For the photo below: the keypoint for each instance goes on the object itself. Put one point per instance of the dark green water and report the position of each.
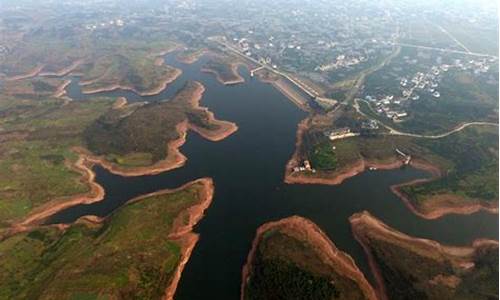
(248, 170)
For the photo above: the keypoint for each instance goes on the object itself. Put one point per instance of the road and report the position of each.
(393, 131)
(446, 50)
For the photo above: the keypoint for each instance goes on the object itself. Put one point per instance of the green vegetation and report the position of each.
(140, 136)
(287, 265)
(35, 154)
(412, 269)
(128, 256)
(222, 68)
(473, 171)
(323, 157)
(468, 159)
(53, 47)
(279, 279)
(32, 88)
(132, 68)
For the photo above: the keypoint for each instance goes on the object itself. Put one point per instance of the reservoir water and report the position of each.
(248, 169)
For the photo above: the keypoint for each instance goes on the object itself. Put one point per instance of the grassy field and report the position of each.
(323, 157)
(472, 174)
(134, 68)
(140, 138)
(128, 256)
(33, 88)
(36, 136)
(413, 269)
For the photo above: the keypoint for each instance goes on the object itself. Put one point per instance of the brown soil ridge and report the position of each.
(191, 58)
(449, 206)
(154, 91)
(181, 232)
(64, 71)
(364, 223)
(61, 89)
(311, 233)
(234, 70)
(226, 128)
(34, 72)
(40, 214)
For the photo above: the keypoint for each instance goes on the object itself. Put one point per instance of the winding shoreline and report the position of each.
(174, 158)
(61, 89)
(360, 222)
(342, 262)
(87, 160)
(64, 71)
(234, 70)
(191, 58)
(362, 164)
(183, 233)
(34, 72)
(96, 193)
(154, 91)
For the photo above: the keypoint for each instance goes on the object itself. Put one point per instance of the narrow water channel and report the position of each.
(248, 169)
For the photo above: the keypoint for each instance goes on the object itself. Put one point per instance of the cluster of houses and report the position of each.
(389, 106)
(393, 107)
(306, 166)
(340, 133)
(117, 22)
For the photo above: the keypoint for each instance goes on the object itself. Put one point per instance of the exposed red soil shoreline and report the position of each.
(234, 70)
(35, 71)
(439, 211)
(86, 160)
(40, 214)
(63, 71)
(183, 233)
(342, 262)
(174, 158)
(61, 89)
(226, 128)
(155, 91)
(360, 222)
(362, 164)
(192, 58)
